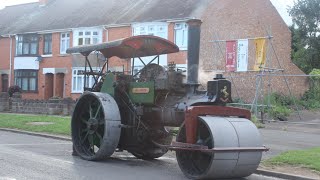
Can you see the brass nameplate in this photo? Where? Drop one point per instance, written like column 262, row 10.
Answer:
column 140, row 90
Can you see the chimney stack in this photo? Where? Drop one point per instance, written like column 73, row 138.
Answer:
column 193, row 51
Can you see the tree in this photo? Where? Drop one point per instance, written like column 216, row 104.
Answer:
column 306, row 34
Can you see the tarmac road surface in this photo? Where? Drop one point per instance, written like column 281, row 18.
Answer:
column 31, row 157
column 291, row 135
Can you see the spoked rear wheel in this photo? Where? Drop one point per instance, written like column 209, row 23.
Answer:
column 95, row 126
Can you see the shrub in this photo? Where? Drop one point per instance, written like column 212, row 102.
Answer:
column 311, row 99
column 279, row 112
column 13, row 89
column 280, row 105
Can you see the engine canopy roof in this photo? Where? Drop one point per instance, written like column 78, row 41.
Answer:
column 132, row 47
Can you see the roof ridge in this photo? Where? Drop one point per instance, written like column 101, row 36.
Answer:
column 14, row 5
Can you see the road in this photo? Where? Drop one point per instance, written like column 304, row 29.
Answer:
column 294, row 134
column 31, row 157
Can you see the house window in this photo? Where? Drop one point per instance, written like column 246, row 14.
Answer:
column 47, row 49
column 88, row 36
column 27, row 80
column 154, row 29
column 181, row 35
column 27, row 45
column 64, row 42
column 159, row 29
column 78, row 80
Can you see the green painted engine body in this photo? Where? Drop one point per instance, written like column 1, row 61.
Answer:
column 139, row 92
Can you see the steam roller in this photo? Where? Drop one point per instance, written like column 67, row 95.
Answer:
column 134, row 110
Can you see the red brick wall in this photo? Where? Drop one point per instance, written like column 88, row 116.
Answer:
column 57, row 60
column 119, row 33
column 5, row 53
column 242, row 19
column 4, row 56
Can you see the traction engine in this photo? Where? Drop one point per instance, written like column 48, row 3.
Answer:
column 136, row 111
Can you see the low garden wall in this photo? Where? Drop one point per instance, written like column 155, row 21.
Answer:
column 4, row 102
column 16, row 104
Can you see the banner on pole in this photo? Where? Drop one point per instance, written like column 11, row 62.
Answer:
column 242, row 57
column 231, row 56
column 260, row 54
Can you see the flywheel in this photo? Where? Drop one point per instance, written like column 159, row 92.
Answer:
column 95, row 126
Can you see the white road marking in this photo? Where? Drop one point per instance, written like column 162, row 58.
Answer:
column 34, row 157
column 131, row 156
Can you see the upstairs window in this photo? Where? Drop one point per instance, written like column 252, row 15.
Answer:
column 27, row 80
column 88, row 36
column 47, row 39
column 181, row 35
column 64, row 42
column 159, row 29
column 154, row 29
column 27, row 45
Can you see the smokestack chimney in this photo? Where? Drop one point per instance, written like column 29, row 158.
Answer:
column 193, row 51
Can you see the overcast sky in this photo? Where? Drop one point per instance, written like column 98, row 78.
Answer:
column 281, row 5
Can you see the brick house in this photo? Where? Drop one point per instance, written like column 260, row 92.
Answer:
column 34, row 38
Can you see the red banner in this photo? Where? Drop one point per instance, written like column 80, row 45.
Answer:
column 231, row 56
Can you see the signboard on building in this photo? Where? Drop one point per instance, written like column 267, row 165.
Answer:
column 231, row 56
column 242, row 57
column 260, row 54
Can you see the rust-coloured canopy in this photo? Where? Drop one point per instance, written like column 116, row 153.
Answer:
column 135, row 46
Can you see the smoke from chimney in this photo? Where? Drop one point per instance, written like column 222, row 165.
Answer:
column 43, row 2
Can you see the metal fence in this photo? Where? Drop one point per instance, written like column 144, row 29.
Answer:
column 256, row 95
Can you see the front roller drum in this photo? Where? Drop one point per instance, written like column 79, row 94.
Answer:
column 95, row 126
column 220, row 132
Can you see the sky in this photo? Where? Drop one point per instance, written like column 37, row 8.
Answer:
column 281, row 5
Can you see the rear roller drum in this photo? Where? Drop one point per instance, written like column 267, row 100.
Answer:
column 219, row 132
column 95, row 126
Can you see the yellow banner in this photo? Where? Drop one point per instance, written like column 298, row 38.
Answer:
column 260, row 54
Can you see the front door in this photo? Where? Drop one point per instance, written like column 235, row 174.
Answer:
column 59, row 85
column 4, row 82
column 48, row 91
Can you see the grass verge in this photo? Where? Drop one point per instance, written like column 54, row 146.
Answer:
column 58, row 125
column 255, row 121
column 306, row 158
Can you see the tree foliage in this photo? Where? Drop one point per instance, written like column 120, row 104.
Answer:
column 306, row 34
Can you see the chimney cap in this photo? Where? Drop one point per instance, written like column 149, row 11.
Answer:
column 194, row 22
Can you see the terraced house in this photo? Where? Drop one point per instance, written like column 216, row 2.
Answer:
column 34, row 38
